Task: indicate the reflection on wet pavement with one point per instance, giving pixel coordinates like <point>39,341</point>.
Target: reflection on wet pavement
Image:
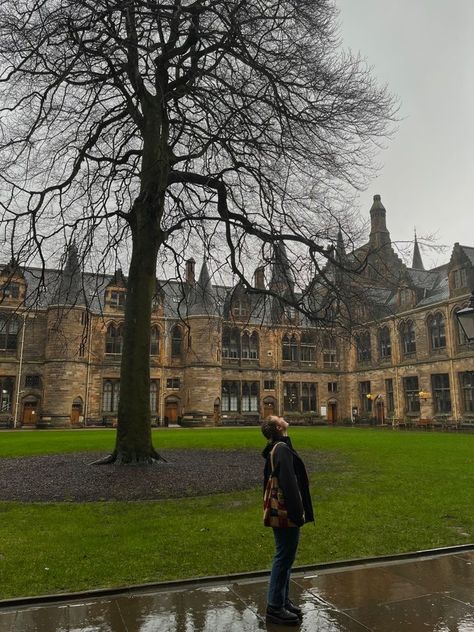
<point>432,594</point>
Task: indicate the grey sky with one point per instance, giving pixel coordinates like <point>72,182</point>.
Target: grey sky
<point>424,51</point>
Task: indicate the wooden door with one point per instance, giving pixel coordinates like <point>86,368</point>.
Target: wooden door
<point>332,412</point>
<point>30,413</point>
<point>171,412</point>
<point>268,409</point>
<point>76,412</point>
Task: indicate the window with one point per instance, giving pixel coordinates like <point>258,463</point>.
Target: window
<point>117,298</point>
<point>6,393</point>
<point>172,382</point>
<point>249,397</point>
<point>269,385</point>
<point>405,296</point>
<point>155,341</point>
<point>8,333</point>
<point>329,351</point>
<point>114,339</point>
<point>459,278</point>
<point>437,332</point>
<point>10,290</point>
<point>290,348</point>
<point>110,396</point>
<point>308,348</point>
<point>231,343</point>
<point>176,342</point>
<point>412,399</point>
<point>364,351</point>
<point>291,396</point>
<point>441,393</point>
<point>389,395</point>
<point>462,339</point>
<point>230,397</point>
<point>385,345</point>
<point>308,397</point>
<point>332,387</point>
<point>239,309</point>
<point>467,388</point>
<point>154,396</point>
<point>33,381</point>
<point>365,402</point>
<point>408,338</point>
<point>249,346</point>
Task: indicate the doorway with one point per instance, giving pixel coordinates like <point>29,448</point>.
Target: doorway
<point>30,413</point>
<point>217,410</point>
<point>332,411</point>
<point>269,407</point>
<point>76,412</point>
<point>171,411</point>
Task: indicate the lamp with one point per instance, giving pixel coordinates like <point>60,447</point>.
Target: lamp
<point>465,318</point>
<point>423,395</point>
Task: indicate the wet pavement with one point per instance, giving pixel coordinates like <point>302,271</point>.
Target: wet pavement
<point>427,593</point>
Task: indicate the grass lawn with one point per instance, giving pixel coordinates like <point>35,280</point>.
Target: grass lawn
<point>379,492</point>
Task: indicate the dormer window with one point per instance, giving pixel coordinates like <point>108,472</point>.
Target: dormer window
<point>11,290</point>
<point>239,309</point>
<point>459,278</point>
<point>117,298</point>
<point>405,296</point>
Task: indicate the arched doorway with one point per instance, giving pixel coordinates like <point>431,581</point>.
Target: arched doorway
<point>171,410</point>
<point>332,411</point>
<point>217,410</point>
<point>76,412</point>
<point>269,406</point>
<point>30,411</point>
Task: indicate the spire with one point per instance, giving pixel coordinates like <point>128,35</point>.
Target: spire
<point>282,280</point>
<point>203,299</point>
<point>379,235</point>
<point>70,290</point>
<point>118,280</point>
<point>417,260</point>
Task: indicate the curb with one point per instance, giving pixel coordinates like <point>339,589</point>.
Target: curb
<point>233,577</point>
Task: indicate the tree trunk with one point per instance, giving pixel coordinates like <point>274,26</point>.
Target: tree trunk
<point>134,441</point>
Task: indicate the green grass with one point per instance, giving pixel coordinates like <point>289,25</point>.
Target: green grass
<point>379,492</point>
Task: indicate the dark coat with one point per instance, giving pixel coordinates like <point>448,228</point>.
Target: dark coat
<point>292,479</point>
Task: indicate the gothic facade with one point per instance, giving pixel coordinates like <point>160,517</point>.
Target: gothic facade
<point>218,355</point>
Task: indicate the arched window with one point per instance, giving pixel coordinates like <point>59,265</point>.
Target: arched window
<point>234,349</point>
<point>230,397</point>
<point>8,333</point>
<point>155,341</point>
<point>408,337</point>
<point>294,348</point>
<point>462,339</point>
<point>154,400</point>
<point>254,346</point>
<point>245,346</point>
<point>6,394</point>
<point>286,353</point>
<point>249,397</point>
<point>385,345</point>
<point>308,347</point>
<point>291,396</point>
<point>329,351</point>
<point>437,331</point>
<point>114,339</point>
<point>364,350</point>
<point>176,342</point>
<point>226,342</point>
<point>110,396</point>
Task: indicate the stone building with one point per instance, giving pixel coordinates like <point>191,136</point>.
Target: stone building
<point>219,354</point>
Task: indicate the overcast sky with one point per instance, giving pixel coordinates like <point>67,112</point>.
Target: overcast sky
<point>424,51</point>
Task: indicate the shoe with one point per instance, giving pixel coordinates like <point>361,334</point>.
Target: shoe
<point>281,616</point>
<point>290,606</point>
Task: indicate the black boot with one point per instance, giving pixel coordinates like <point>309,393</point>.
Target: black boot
<point>290,606</point>
<point>281,616</point>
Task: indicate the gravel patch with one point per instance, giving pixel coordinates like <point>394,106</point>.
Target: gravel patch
<point>72,477</point>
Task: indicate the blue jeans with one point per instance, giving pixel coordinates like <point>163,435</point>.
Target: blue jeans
<point>286,544</point>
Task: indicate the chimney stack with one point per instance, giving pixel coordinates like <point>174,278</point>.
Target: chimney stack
<point>259,278</point>
<point>190,267</point>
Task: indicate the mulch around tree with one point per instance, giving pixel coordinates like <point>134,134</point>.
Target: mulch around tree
<point>72,477</point>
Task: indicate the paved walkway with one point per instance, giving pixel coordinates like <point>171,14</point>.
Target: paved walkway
<point>433,593</point>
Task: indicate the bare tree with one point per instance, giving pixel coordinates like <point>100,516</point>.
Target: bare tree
<point>150,121</point>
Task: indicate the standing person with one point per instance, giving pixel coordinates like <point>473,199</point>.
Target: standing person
<point>293,481</point>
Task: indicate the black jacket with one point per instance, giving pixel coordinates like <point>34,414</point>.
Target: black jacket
<point>292,478</point>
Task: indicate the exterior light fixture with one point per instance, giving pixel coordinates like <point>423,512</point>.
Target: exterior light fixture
<point>424,395</point>
<point>465,319</point>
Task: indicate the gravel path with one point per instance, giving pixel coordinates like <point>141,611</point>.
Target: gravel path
<point>72,477</point>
